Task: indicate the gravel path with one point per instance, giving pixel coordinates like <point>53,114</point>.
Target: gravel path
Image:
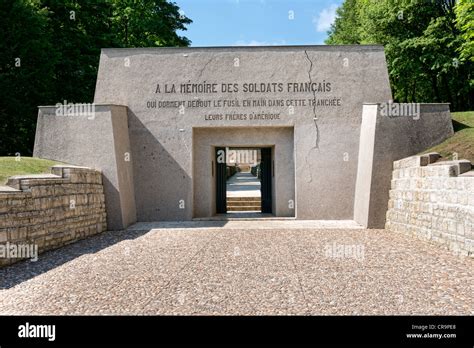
<point>242,271</point>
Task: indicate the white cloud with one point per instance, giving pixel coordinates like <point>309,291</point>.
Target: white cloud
<point>325,18</point>
<point>258,43</point>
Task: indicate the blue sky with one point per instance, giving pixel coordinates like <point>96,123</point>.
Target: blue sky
<point>258,22</point>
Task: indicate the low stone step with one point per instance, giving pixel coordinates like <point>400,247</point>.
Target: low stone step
<point>239,203</point>
<point>243,208</point>
<point>238,199</point>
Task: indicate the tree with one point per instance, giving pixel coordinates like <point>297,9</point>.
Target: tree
<point>58,43</point>
<point>345,29</point>
<point>148,23</point>
<point>421,43</point>
<point>465,23</point>
<point>27,63</point>
<point>81,29</point>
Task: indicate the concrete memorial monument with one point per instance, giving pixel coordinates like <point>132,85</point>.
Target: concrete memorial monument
<point>321,115</point>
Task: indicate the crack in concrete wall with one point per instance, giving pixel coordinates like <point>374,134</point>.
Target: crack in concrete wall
<point>314,100</point>
<point>316,144</point>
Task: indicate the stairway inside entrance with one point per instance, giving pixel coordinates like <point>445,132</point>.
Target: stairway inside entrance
<point>247,204</point>
<point>243,193</point>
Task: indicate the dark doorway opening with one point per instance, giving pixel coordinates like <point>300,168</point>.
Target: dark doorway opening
<point>221,179</point>
<point>243,181</point>
<point>266,180</point>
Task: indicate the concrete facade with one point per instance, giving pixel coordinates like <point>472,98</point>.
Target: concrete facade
<point>384,140</point>
<point>305,102</point>
<point>100,141</point>
<point>280,138</point>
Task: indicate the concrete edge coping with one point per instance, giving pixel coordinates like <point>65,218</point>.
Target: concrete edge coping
<point>469,174</point>
<point>8,189</point>
<point>463,165</point>
<point>232,49</point>
<point>64,170</point>
<point>22,182</point>
<point>71,166</point>
<point>378,103</point>
<point>59,172</point>
<point>96,104</point>
<point>33,176</point>
<point>431,159</point>
<point>416,161</point>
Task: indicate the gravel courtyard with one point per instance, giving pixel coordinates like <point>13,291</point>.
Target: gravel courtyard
<point>205,269</point>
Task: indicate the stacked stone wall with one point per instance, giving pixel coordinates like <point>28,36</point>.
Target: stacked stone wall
<point>433,201</point>
<point>48,211</point>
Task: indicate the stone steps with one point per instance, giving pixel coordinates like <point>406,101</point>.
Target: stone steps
<point>243,208</point>
<point>247,199</point>
<point>243,203</point>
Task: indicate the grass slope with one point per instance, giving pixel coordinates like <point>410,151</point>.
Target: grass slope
<point>462,142</point>
<point>25,165</point>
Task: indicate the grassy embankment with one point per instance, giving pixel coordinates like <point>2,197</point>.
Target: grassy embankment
<point>462,142</point>
<point>25,165</point>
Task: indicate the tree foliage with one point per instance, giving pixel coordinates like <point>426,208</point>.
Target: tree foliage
<point>465,23</point>
<point>26,68</point>
<point>50,53</point>
<point>148,23</point>
<point>346,23</point>
<point>427,45</point>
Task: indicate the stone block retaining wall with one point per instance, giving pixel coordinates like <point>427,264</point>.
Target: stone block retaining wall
<point>433,201</point>
<point>51,210</point>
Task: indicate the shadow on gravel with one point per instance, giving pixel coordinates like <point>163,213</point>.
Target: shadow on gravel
<point>24,270</point>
